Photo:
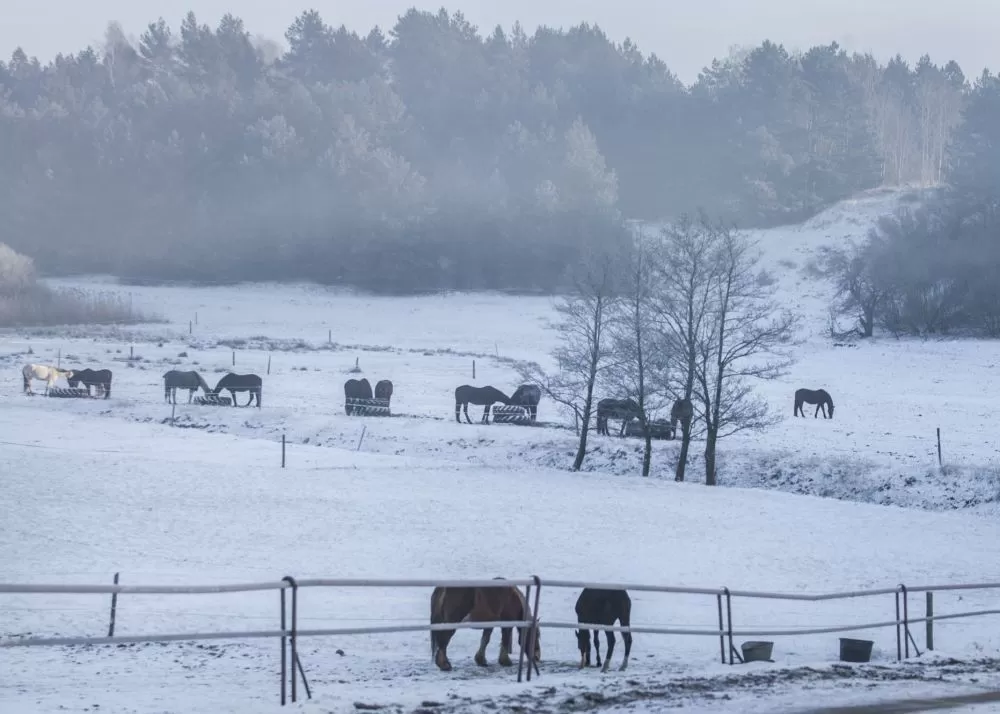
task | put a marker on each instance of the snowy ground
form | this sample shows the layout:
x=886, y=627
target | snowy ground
x=111, y=485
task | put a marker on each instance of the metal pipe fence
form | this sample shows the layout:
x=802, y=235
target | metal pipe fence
x=292, y=670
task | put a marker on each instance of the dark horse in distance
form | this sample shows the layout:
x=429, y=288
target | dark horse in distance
x=682, y=411
x=624, y=409
x=100, y=378
x=489, y=604
x=480, y=396
x=356, y=389
x=175, y=379
x=602, y=607
x=820, y=397
x=241, y=383
x=527, y=396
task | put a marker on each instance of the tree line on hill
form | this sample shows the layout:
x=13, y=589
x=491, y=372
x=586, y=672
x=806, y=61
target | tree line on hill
x=435, y=156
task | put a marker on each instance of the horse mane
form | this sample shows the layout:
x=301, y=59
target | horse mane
x=203, y=383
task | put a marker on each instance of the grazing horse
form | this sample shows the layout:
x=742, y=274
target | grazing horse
x=682, y=411
x=624, y=409
x=191, y=381
x=484, y=396
x=602, y=607
x=383, y=389
x=527, y=396
x=100, y=378
x=820, y=397
x=241, y=383
x=487, y=604
x=43, y=372
x=356, y=389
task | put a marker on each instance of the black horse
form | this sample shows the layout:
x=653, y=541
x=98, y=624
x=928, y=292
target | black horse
x=100, y=378
x=241, y=383
x=383, y=389
x=480, y=396
x=175, y=379
x=355, y=389
x=820, y=397
x=682, y=411
x=527, y=396
x=602, y=607
x=624, y=409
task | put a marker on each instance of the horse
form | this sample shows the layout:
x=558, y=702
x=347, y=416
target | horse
x=481, y=605
x=602, y=607
x=819, y=397
x=191, y=381
x=624, y=409
x=383, y=389
x=43, y=372
x=241, y=383
x=682, y=411
x=485, y=396
x=356, y=389
x=100, y=378
x=527, y=396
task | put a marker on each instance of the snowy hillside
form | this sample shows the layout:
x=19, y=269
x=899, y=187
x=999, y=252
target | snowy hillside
x=94, y=487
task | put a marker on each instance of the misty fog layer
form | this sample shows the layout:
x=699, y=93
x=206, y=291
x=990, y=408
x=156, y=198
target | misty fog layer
x=437, y=156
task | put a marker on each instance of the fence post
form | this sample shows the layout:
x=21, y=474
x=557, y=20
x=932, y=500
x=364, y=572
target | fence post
x=929, y=623
x=284, y=651
x=329, y=337
x=473, y=369
x=59, y=359
x=293, y=638
x=722, y=629
x=364, y=428
x=282, y=451
x=234, y=358
x=899, y=639
x=940, y=464
x=190, y=327
x=906, y=620
x=114, y=608
x=173, y=412
x=269, y=363
x=533, y=632
x=729, y=623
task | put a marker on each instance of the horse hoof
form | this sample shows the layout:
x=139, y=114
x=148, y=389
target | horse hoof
x=481, y=659
x=505, y=661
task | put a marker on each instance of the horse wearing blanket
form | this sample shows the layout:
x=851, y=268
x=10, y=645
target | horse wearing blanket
x=44, y=373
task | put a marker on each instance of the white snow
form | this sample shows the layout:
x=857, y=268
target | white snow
x=94, y=487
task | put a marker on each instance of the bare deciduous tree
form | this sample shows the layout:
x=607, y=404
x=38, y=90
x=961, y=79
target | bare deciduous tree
x=684, y=269
x=860, y=292
x=584, y=352
x=744, y=339
x=639, y=369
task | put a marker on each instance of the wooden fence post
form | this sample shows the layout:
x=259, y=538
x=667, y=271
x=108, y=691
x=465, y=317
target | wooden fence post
x=190, y=327
x=234, y=358
x=59, y=359
x=364, y=428
x=114, y=608
x=282, y=450
x=939, y=447
x=473, y=369
x=269, y=363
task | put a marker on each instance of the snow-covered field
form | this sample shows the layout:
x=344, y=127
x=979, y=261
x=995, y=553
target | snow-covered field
x=94, y=487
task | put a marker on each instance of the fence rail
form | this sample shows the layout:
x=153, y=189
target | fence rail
x=289, y=631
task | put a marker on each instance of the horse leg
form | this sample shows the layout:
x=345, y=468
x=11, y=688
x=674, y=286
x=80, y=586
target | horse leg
x=597, y=648
x=627, y=636
x=465, y=410
x=816, y=413
x=506, y=644
x=486, y=414
x=481, y=652
x=611, y=649
x=441, y=638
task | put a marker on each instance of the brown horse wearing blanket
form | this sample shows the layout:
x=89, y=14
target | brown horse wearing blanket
x=489, y=604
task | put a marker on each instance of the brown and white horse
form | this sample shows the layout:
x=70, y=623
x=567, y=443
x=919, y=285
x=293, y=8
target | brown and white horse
x=43, y=372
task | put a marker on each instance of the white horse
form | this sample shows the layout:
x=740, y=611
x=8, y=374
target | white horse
x=43, y=372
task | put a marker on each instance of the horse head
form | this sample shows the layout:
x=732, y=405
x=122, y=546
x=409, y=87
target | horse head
x=67, y=373
x=830, y=408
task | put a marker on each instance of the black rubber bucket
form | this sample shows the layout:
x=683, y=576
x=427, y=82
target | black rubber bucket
x=855, y=650
x=757, y=651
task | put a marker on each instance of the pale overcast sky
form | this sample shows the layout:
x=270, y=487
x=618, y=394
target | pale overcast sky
x=686, y=34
